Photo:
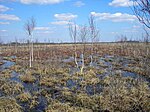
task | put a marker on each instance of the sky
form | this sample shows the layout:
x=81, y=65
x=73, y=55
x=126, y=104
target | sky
x=113, y=18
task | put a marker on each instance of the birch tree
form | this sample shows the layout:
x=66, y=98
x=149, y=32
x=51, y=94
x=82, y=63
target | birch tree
x=83, y=34
x=73, y=35
x=94, y=32
x=29, y=28
x=0, y=48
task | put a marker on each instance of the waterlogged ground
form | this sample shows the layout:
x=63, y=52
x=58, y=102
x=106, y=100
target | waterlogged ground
x=112, y=83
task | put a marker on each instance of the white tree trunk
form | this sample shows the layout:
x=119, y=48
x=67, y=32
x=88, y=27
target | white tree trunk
x=91, y=56
x=30, y=51
x=30, y=60
x=75, y=59
x=32, y=47
x=91, y=63
x=82, y=67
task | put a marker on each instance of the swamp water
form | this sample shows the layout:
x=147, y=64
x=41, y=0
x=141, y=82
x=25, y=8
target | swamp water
x=105, y=62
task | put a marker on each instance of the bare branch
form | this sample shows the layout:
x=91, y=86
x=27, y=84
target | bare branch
x=73, y=31
x=141, y=9
x=29, y=26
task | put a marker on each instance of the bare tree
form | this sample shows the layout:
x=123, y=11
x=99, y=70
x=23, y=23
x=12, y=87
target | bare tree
x=123, y=44
x=73, y=35
x=146, y=37
x=29, y=27
x=1, y=40
x=83, y=34
x=141, y=9
x=122, y=38
x=93, y=35
x=16, y=45
x=0, y=48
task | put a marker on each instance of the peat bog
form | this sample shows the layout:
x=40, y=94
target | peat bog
x=117, y=80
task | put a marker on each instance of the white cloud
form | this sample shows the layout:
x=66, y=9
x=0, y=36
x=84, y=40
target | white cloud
x=3, y=30
x=115, y=33
x=136, y=26
x=45, y=32
x=79, y=4
x=65, y=16
x=9, y=17
x=42, y=28
x=116, y=17
x=8, y=0
x=131, y=31
x=63, y=19
x=41, y=1
x=3, y=8
x=61, y=22
x=122, y=3
x=4, y=23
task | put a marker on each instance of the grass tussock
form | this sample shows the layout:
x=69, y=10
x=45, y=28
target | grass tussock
x=24, y=97
x=56, y=106
x=1, y=63
x=10, y=88
x=9, y=105
x=28, y=78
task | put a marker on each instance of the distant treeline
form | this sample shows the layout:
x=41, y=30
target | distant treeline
x=54, y=43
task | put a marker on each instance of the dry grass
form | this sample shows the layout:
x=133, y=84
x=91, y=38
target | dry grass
x=28, y=78
x=57, y=106
x=10, y=88
x=24, y=97
x=117, y=93
x=9, y=105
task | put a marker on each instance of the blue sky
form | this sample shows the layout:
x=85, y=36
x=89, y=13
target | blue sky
x=113, y=18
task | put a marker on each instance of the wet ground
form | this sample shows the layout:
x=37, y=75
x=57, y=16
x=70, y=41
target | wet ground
x=109, y=64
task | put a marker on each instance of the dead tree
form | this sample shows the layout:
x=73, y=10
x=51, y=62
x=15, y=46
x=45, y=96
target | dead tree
x=16, y=45
x=29, y=27
x=83, y=34
x=146, y=37
x=73, y=35
x=0, y=49
x=146, y=40
x=93, y=35
x=141, y=9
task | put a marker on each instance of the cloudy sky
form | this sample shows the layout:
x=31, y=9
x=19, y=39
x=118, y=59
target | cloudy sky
x=113, y=17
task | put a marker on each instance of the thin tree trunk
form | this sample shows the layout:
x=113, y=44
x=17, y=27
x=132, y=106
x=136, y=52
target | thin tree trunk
x=91, y=56
x=75, y=58
x=82, y=67
x=30, y=50
x=32, y=47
